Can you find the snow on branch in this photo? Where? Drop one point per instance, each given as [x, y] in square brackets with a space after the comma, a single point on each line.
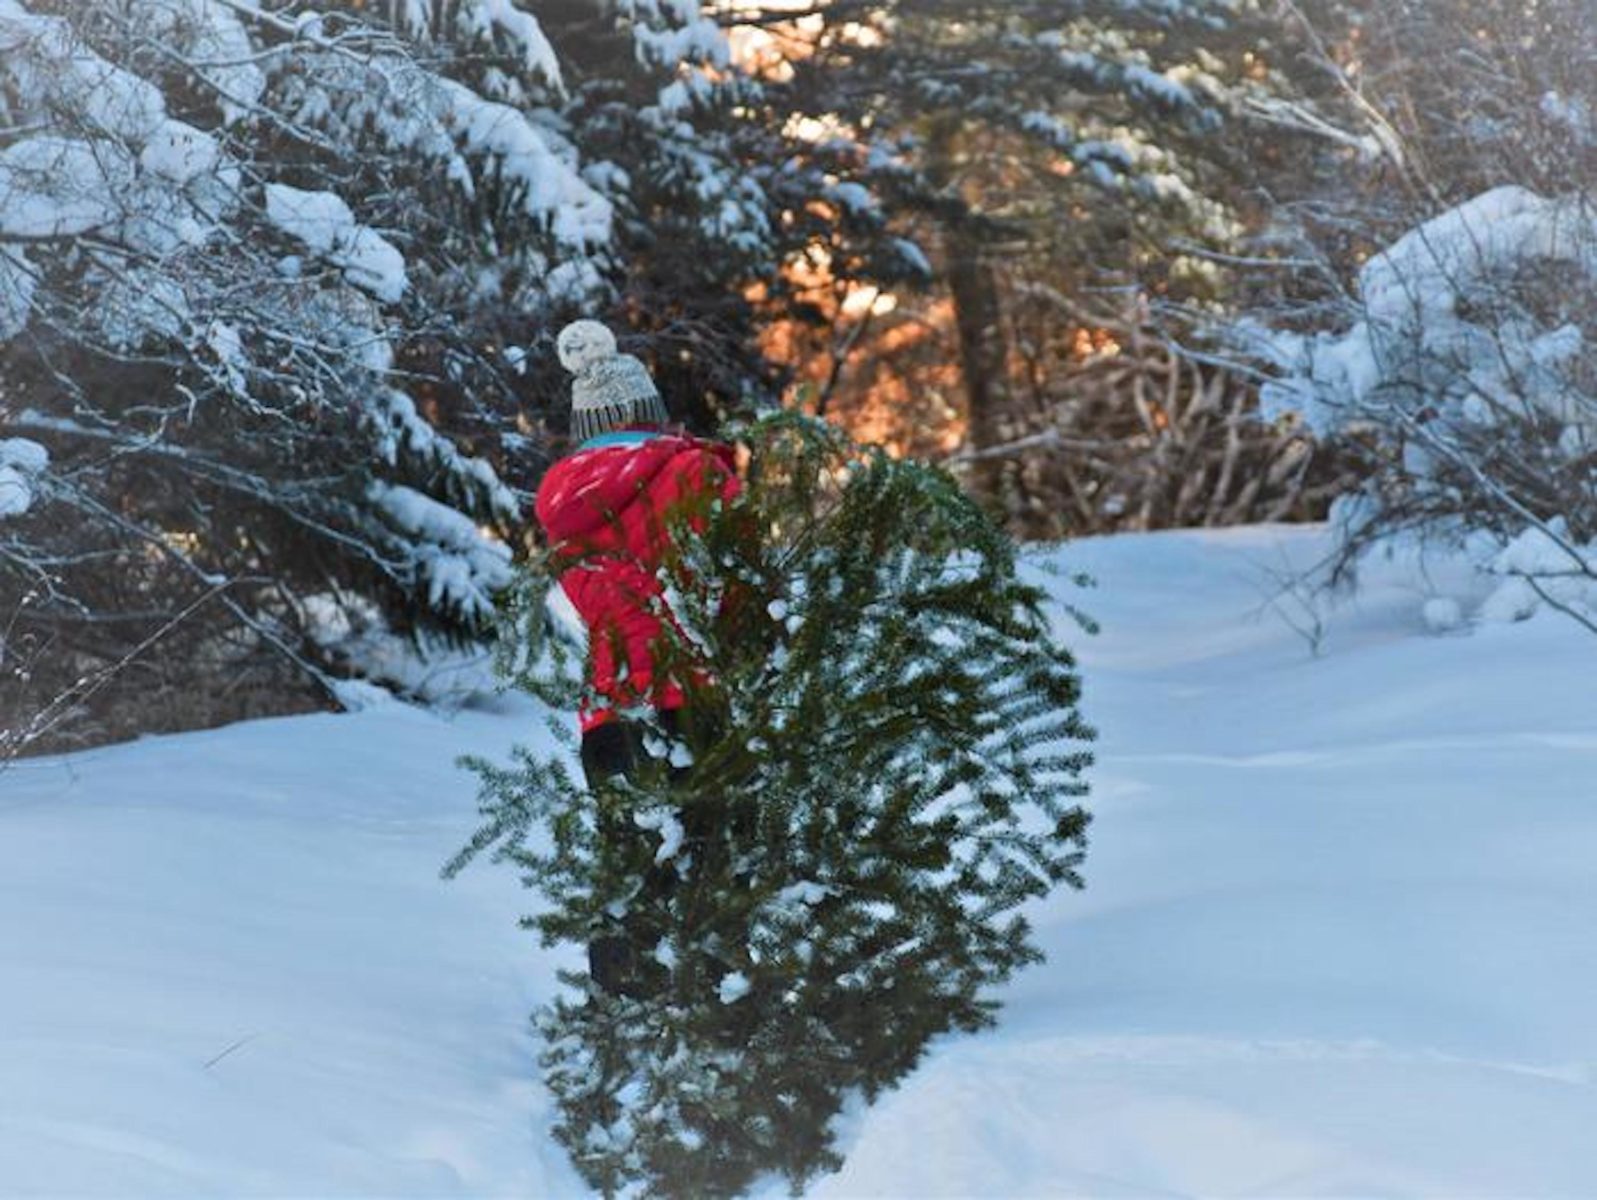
[486, 21]
[44, 58]
[21, 464]
[17, 284]
[458, 565]
[324, 223]
[406, 109]
[210, 37]
[669, 32]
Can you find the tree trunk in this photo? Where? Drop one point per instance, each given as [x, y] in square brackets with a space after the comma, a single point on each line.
[994, 411]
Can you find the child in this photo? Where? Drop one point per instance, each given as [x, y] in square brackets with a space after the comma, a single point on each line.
[606, 509]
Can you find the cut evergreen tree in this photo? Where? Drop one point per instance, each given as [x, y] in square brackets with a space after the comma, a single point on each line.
[825, 861]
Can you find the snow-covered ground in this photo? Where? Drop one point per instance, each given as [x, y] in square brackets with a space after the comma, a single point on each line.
[1337, 938]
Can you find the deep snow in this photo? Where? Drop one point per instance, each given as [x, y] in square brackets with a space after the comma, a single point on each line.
[1337, 938]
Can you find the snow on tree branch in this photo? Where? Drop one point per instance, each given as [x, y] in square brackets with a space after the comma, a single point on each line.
[21, 463]
[1467, 363]
[324, 223]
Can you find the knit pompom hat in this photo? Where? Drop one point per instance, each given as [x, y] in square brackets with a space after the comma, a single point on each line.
[611, 390]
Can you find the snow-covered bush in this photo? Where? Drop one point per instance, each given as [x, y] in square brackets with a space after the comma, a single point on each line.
[1430, 301]
[881, 767]
[1469, 375]
[236, 248]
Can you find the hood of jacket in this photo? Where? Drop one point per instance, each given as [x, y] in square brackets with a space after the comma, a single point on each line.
[593, 487]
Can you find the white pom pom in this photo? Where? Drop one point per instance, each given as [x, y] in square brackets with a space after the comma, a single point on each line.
[583, 343]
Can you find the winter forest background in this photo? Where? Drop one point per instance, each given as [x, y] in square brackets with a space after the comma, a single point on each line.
[279, 291]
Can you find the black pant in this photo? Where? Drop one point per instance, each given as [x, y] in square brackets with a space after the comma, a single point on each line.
[616, 747]
[623, 963]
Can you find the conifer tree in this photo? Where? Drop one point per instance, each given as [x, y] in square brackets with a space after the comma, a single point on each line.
[245, 257]
[1065, 164]
[825, 863]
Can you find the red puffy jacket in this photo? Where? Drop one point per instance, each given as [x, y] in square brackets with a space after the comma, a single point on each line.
[606, 507]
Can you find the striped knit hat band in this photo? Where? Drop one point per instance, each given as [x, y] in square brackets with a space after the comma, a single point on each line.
[611, 390]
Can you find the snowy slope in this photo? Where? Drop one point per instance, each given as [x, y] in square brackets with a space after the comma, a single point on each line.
[271, 887]
[1337, 938]
[1338, 932]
